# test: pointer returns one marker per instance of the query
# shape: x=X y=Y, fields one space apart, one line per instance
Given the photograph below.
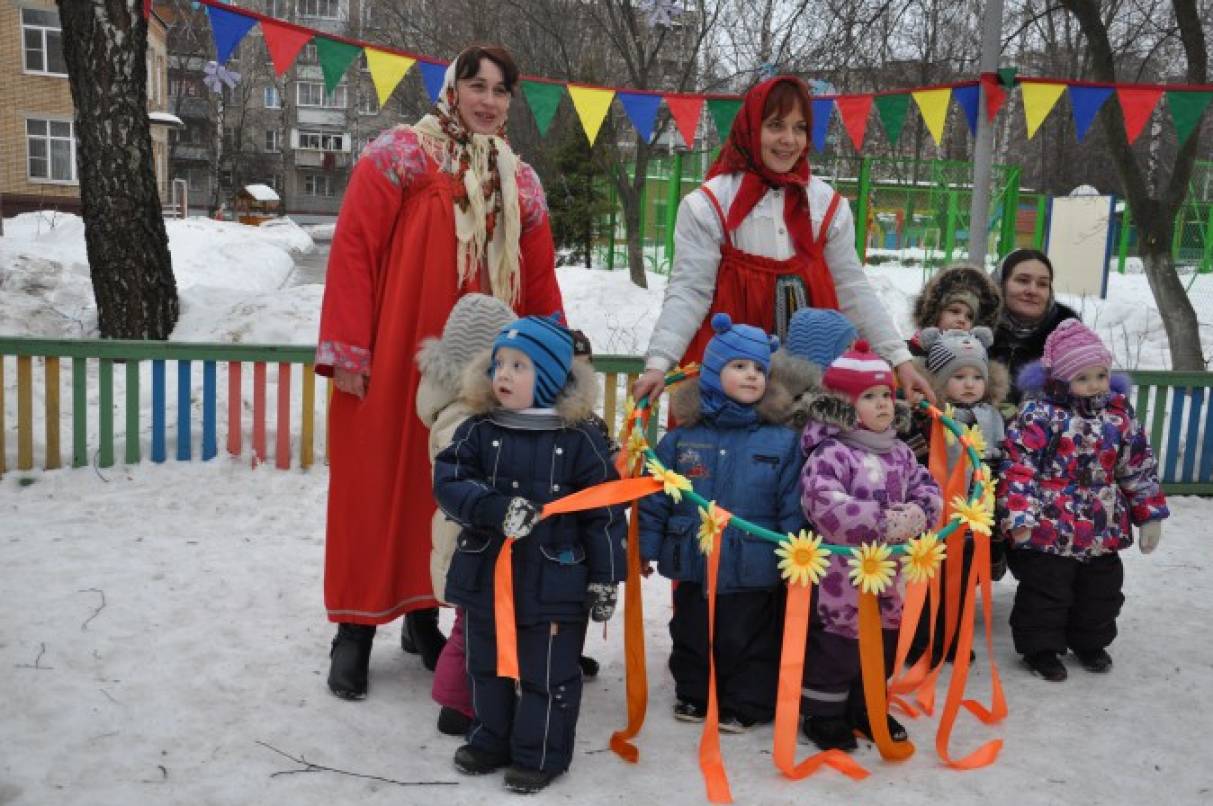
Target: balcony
x=317 y=159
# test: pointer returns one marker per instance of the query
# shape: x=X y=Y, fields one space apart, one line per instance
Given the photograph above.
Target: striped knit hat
x=550 y=348
x=1073 y=347
x=856 y=371
x=950 y=350
x=733 y=342
x=819 y=335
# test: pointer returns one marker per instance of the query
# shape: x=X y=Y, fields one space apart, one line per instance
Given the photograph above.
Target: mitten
x=520 y=518
x=904 y=521
x=600 y=598
x=1148 y=536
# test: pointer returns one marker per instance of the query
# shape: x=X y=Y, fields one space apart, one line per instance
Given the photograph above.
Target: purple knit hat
x=1071 y=348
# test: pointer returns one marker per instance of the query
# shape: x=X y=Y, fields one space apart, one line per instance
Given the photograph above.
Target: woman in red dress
x=433 y=211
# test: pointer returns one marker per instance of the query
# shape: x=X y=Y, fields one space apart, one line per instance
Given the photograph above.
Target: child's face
x=584 y=359
x=955 y=316
x=965 y=386
x=1090 y=381
x=743 y=380
x=513 y=379
x=875 y=408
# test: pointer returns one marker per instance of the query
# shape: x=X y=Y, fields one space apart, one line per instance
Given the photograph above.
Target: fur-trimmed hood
x=951 y=280
x=686 y=404
x=574 y=404
x=828 y=414
x=998 y=386
x=1034 y=380
x=792 y=381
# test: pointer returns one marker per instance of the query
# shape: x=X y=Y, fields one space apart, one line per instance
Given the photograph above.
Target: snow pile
x=616 y=314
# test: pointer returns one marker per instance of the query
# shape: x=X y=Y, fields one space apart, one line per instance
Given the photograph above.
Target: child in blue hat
x=529 y=441
x=749 y=465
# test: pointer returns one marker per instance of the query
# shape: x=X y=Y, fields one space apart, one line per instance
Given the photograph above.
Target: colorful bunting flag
x=227 y=28
x=933 y=106
x=822 y=109
x=996 y=95
x=591 y=104
x=387 y=69
x=1137 y=104
x=432 y=75
x=723 y=111
x=854 y=111
x=283 y=43
x=335 y=58
x=892 y=110
x=685 y=109
x=1186 y=108
x=1084 y=104
x=642 y=111
x=544 y=99
x=1039 y=98
x=969 y=99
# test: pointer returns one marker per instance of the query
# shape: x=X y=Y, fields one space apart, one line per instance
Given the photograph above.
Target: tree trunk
x=105 y=46
x=1179 y=321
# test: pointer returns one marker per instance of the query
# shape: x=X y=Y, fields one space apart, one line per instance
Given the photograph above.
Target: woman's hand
x=913 y=384
x=651 y=383
x=352 y=383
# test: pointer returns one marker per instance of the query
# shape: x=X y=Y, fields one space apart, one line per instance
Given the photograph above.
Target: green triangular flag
x=892 y=109
x=1186 y=108
x=543 y=98
x=1006 y=76
x=723 y=111
x=335 y=58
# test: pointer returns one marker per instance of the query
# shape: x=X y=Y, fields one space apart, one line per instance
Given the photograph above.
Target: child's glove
x=600 y=598
x=520 y=518
x=904 y=521
x=1148 y=536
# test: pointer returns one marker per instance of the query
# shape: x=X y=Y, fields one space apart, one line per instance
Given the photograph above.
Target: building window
x=309 y=55
x=311 y=93
x=368 y=101
x=272 y=141
x=43 y=41
x=317 y=185
x=324 y=9
x=275 y=8
x=52 y=150
x=321 y=141
x=199 y=180
x=272 y=99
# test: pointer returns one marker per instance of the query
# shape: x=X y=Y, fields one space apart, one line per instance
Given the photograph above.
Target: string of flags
x=388 y=67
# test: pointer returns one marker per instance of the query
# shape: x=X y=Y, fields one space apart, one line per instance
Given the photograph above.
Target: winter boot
x=1047 y=665
x=453 y=722
x=421 y=636
x=732 y=723
x=474 y=761
x=1098 y=661
x=830 y=733
x=863 y=726
x=589 y=666
x=687 y=711
x=526 y=781
x=351 y=655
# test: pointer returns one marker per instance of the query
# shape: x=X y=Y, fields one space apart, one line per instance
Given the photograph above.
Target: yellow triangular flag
x=1038 y=101
x=591 y=104
x=386 y=71
x=933 y=106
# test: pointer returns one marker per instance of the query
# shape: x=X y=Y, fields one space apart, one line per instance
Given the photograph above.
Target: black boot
x=830 y=733
x=1046 y=664
x=453 y=722
x=1098 y=661
x=527 y=781
x=474 y=761
x=421 y=636
x=589 y=666
x=351 y=655
x=862 y=724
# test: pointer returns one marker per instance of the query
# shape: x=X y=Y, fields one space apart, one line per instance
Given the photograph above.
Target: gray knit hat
x=470 y=329
x=949 y=350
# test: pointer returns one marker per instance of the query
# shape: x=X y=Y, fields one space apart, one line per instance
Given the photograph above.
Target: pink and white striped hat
x=1073 y=347
x=856 y=371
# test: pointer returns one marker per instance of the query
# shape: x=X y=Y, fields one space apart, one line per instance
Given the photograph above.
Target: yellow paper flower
x=922 y=557
x=977 y=440
x=803 y=560
x=711 y=523
x=950 y=413
x=635 y=447
x=673 y=483
x=976 y=516
x=871 y=568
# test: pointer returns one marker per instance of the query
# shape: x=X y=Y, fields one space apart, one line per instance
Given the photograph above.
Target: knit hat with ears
x=733 y=342
x=549 y=345
x=819 y=335
x=1073 y=347
x=949 y=350
x=856 y=371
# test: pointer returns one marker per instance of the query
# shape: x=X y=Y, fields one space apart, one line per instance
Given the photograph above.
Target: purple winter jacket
x=845 y=489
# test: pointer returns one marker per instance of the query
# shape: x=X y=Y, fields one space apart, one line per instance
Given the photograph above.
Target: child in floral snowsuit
x=1078 y=470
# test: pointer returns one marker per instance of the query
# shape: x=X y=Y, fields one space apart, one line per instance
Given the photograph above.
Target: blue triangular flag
x=1085 y=102
x=642 y=111
x=822 y=109
x=228 y=28
x=968 y=97
x=433 y=75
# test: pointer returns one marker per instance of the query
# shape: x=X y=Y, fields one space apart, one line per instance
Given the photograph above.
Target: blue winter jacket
x=751 y=469
x=497 y=456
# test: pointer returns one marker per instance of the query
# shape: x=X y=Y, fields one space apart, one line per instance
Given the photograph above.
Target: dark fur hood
x=574 y=404
x=958 y=278
x=827 y=414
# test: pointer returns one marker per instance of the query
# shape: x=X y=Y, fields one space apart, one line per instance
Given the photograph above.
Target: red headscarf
x=742 y=153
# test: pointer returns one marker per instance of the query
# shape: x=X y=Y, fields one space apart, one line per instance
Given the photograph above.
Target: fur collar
x=687 y=410
x=930 y=301
x=1034 y=380
x=574 y=404
x=827 y=414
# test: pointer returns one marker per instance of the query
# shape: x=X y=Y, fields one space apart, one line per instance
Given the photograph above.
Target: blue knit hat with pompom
x=733 y=342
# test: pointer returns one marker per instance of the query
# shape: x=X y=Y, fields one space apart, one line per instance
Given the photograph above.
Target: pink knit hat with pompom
x=1073 y=347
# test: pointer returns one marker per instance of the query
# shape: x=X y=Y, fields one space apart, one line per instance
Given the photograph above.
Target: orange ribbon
x=710 y=761
x=609 y=493
x=787 y=705
x=503 y=611
x=872 y=663
x=633 y=648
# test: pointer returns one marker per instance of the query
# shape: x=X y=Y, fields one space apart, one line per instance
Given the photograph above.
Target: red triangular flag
x=686 y=109
x=284 y=44
x=854 y=110
x=1138 y=104
x=996 y=96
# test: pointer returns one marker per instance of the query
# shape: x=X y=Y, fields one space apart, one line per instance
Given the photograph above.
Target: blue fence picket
x=1178 y=395
x=158 y=411
x=183 y=411
x=209 y=442
x=1192 y=440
